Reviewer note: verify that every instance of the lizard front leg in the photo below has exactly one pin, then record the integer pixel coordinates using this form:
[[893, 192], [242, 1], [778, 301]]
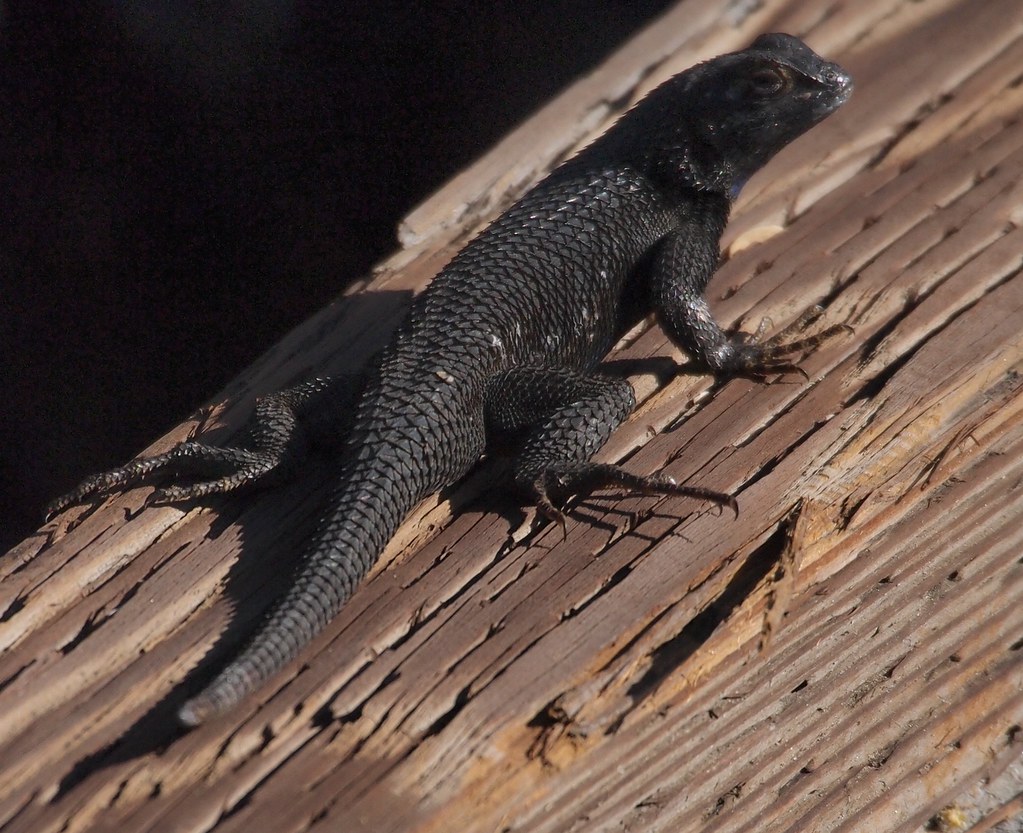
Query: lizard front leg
[[274, 443], [561, 419], [683, 264]]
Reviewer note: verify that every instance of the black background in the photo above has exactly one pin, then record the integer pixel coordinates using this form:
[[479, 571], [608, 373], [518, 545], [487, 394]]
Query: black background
[[183, 182]]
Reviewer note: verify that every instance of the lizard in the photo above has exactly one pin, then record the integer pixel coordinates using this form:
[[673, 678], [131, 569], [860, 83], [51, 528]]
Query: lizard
[[505, 345]]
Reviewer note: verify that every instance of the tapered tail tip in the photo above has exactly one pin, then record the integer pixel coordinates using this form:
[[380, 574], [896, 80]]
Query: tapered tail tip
[[195, 712]]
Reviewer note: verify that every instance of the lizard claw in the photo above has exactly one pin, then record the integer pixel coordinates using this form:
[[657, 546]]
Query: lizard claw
[[548, 509], [745, 355], [583, 479], [245, 467]]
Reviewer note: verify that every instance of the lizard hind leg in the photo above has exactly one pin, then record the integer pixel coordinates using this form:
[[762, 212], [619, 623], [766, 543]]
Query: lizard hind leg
[[564, 418], [188, 457], [274, 443]]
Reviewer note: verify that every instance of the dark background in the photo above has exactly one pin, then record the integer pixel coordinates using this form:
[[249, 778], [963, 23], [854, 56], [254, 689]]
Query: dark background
[[183, 182]]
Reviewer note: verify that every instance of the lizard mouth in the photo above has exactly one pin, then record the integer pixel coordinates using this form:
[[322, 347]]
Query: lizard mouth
[[838, 87]]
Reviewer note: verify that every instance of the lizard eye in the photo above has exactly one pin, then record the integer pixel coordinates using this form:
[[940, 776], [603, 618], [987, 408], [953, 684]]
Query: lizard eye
[[768, 82]]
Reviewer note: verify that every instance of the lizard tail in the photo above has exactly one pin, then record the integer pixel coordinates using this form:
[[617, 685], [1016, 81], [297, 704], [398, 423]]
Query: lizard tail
[[364, 516]]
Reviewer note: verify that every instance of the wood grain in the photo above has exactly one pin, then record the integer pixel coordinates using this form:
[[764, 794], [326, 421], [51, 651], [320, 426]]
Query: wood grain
[[491, 677]]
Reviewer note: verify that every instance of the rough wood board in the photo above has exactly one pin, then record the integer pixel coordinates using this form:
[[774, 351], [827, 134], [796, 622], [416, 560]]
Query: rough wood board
[[616, 680]]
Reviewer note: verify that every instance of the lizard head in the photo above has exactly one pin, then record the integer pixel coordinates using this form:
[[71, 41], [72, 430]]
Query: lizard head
[[731, 114]]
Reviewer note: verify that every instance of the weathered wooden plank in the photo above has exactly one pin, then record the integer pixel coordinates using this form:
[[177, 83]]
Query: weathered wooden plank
[[615, 680]]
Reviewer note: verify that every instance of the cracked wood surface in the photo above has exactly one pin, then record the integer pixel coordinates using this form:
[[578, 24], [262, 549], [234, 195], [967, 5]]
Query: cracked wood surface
[[846, 656]]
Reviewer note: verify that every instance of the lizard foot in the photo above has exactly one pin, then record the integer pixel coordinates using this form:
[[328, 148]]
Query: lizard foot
[[237, 466], [274, 444], [747, 356], [582, 479]]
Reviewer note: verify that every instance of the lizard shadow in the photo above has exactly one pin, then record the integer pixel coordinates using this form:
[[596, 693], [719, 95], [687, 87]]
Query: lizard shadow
[[266, 556], [270, 526]]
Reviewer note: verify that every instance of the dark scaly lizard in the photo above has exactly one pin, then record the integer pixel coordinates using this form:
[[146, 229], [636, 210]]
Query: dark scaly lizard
[[507, 340]]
